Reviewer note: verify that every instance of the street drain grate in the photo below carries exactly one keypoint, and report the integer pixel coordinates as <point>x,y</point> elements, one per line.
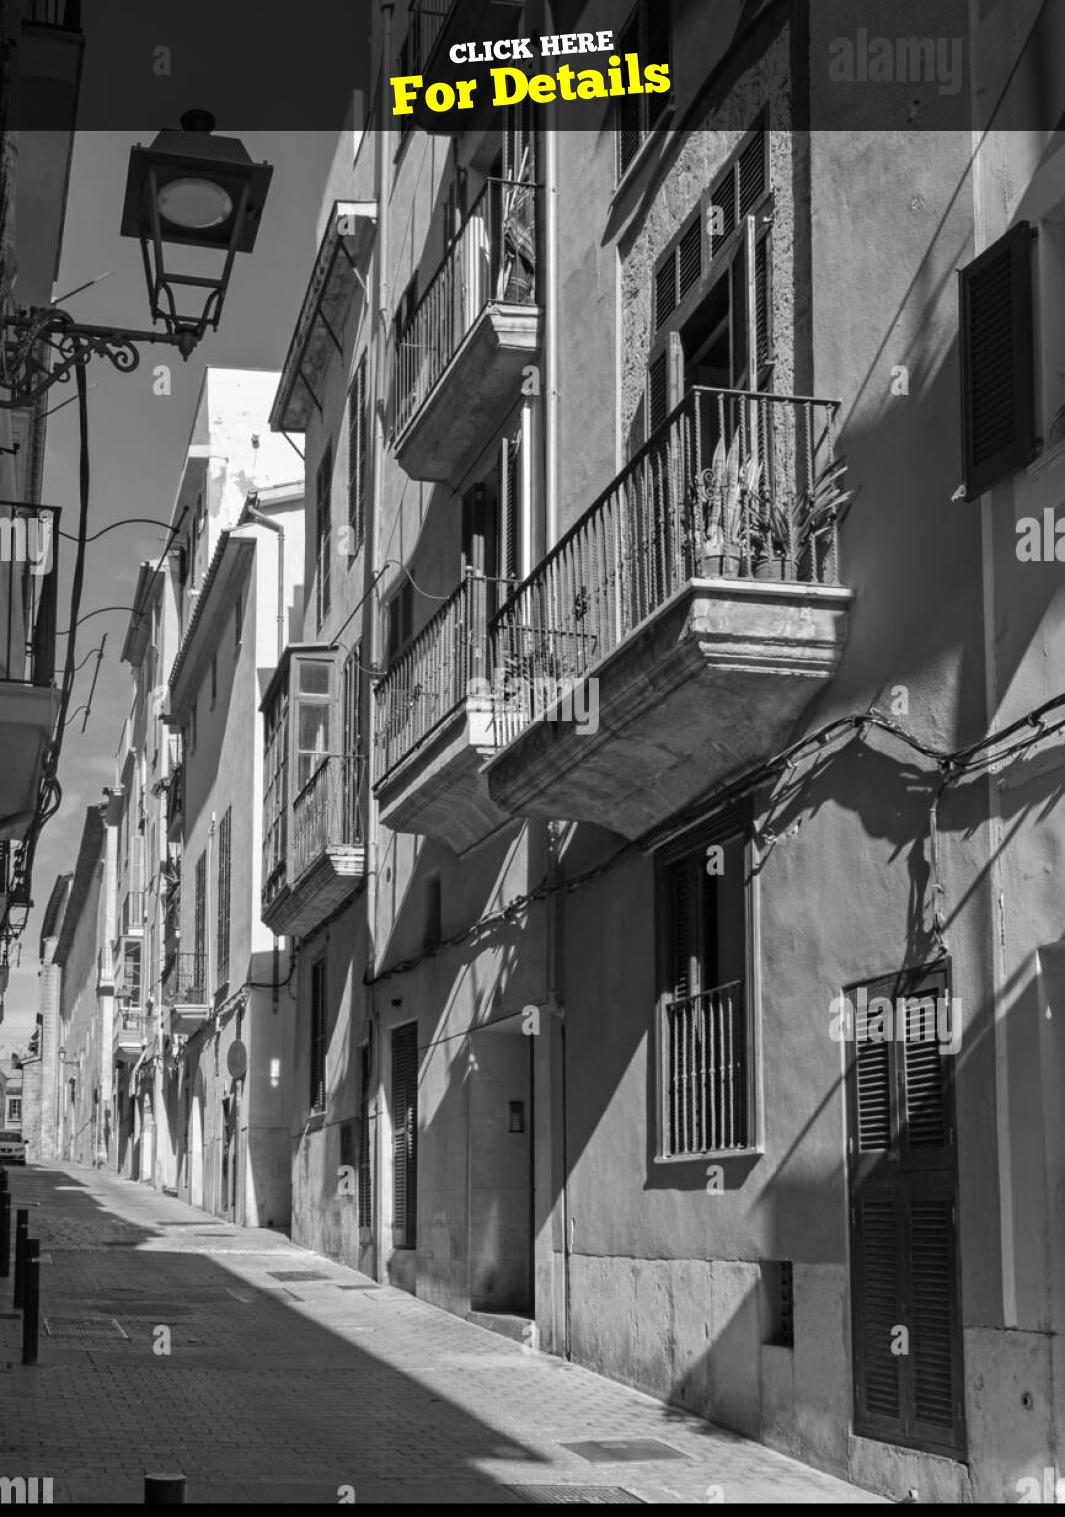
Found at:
<point>83,1329</point>
<point>589,1495</point>
<point>356,1287</point>
<point>624,1450</point>
<point>158,1311</point>
<point>295,1274</point>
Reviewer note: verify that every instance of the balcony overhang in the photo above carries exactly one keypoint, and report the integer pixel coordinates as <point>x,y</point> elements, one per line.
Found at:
<point>336,875</point>
<point>187,1017</point>
<point>335,281</point>
<point>471,399</point>
<point>28,715</point>
<point>49,59</point>
<point>438,790</point>
<point>129,1045</point>
<point>711,683</point>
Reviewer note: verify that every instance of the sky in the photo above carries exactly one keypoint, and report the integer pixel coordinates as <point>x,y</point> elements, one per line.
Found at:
<point>137,442</point>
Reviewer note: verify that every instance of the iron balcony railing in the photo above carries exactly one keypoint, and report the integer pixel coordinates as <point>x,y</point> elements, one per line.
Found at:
<point>431,678</point>
<point>492,258</point>
<point>732,484</point>
<point>706,1072</point>
<point>186,982</point>
<point>29,577</point>
<point>62,13</point>
<point>326,813</point>
<point>424,26</point>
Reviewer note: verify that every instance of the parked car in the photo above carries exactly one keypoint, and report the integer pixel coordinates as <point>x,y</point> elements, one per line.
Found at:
<point>12,1148</point>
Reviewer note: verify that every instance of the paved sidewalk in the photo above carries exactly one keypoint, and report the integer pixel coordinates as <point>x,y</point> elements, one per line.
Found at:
<point>290,1377</point>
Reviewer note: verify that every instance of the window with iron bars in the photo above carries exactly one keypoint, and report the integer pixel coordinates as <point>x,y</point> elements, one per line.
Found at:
<point>358,421</point>
<point>705,1033</point>
<point>323,544</point>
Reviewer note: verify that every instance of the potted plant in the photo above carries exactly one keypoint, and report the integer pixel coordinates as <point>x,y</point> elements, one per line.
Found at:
<point>817,511</point>
<point>719,493</point>
<point>771,544</point>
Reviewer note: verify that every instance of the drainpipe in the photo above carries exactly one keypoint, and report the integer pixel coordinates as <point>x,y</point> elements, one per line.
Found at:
<point>381,322</point>
<point>551,830</point>
<point>253,514</point>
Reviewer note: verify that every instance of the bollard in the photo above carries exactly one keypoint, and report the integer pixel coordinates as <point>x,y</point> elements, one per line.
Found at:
<point>5,1235</point>
<point>164,1490</point>
<point>22,1227</point>
<point>31,1298</point>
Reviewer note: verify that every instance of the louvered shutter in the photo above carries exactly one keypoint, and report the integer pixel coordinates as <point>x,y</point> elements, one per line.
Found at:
<point>724,201</point>
<point>365,1164</point>
<point>628,108</point>
<point>404,1135</point>
<point>690,258</point>
<point>657,393</point>
<point>658,32</point>
<point>904,1226</point>
<point>762,306</point>
<point>997,362</point>
<point>752,174</point>
<point>666,290</point>
<point>510,508</point>
<point>357,428</point>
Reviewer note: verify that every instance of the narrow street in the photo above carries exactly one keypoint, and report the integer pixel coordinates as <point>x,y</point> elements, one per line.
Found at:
<point>290,1377</point>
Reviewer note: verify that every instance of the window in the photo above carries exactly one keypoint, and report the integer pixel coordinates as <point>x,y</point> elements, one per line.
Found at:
<point>199,925</point>
<point>710,292</point>
<point>405,1136</point>
<point>275,788</point>
<point>705,1037</point>
<point>778,1303</point>
<point>313,700</point>
<point>997,362</point>
<point>358,419</point>
<point>318,1034</point>
<point>323,546</point>
<point>399,618</point>
<point>433,911</point>
<point>650,34</point>
<point>14,1109</point>
<point>225,833</point>
<point>351,745</point>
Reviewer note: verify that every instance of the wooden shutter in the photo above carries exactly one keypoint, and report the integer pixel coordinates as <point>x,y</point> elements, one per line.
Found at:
<point>365,1164</point>
<point>723,200</point>
<point>657,48</point>
<point>405,1135</point>
<point>318,1036</point>
<point>357,429</point>
<point>510,508</point>
<point>630,133</point>
<point>997,362</point>
<point>665,382</point>
<point>904,1265</point>
<point>752,173</point>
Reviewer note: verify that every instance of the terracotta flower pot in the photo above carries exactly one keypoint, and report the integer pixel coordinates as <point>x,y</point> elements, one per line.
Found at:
<point>721,565</point>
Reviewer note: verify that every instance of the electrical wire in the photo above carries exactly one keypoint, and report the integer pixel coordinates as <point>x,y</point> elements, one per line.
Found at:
<point>951,766</point>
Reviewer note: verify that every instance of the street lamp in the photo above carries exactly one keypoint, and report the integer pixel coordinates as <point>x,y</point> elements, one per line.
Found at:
<point>189,188</point>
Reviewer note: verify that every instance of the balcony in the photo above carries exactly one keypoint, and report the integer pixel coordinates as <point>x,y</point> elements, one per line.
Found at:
<point>677,632</point>
<point>435,26</point>
<point>325,861</point>
<point>185,992</point>
<point>129,1030</point>
<point>435,728</point>
<point>29,703</point>
<point>458,359</point>
<point>175,804</point>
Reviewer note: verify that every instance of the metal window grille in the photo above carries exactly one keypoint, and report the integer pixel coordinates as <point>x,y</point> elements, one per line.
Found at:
<point>225,833</point>
<point>357,440</point>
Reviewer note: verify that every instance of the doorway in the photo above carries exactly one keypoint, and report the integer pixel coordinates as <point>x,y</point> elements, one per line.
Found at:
<point>905,1283</point>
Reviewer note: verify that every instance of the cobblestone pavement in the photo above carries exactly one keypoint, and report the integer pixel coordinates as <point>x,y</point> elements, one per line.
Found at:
<point>290,1377</point>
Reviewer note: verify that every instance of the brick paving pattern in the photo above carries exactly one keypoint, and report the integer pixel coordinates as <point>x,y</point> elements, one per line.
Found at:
<point>288,1390</point>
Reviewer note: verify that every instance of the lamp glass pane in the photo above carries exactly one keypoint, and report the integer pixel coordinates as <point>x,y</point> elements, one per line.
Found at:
<point>194,203</point>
